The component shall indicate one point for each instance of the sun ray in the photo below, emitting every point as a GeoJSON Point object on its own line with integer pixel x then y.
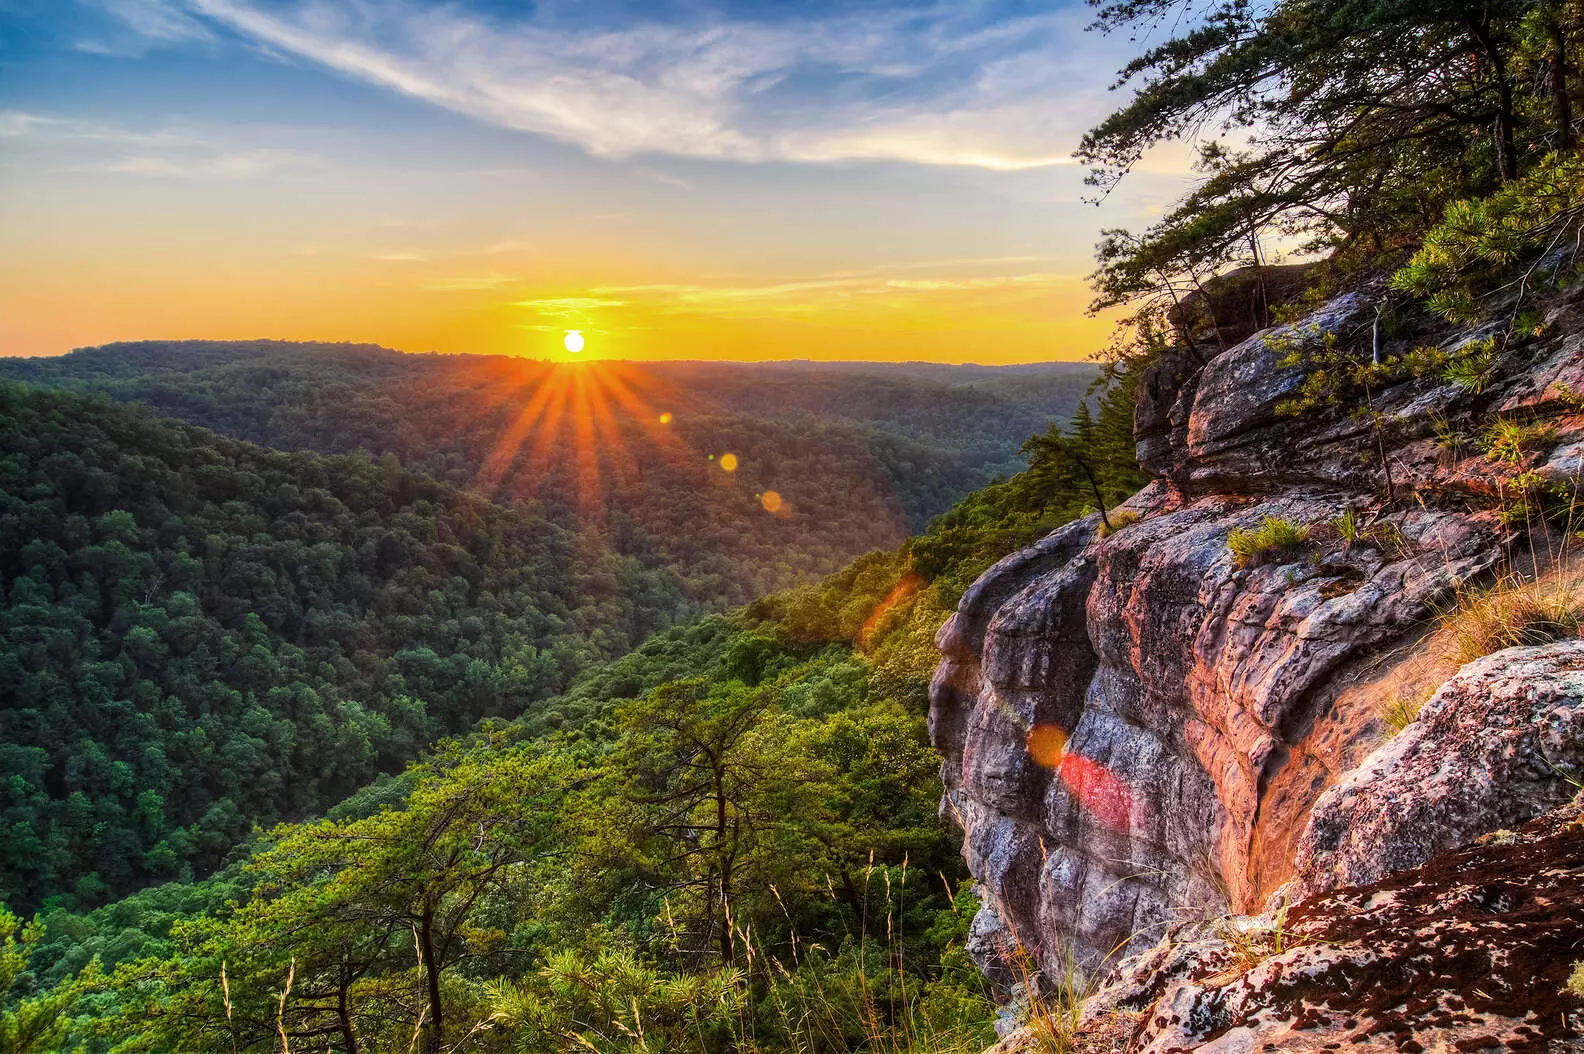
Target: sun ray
{"type": "Point", "coordinates": [506, 449]}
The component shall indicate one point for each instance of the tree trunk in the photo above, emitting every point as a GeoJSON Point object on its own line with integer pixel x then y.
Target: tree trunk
{"type": "Point", "coordinates": [344, 1013]}
{"type": "Point", "coordinates": [728, 949]}
{"type": "Point", "coordinates": [1503, 134]}
{"type": "Point", "coordinates": [432, 974]}
{"type": "Point", "coordinates": [1561, 101]}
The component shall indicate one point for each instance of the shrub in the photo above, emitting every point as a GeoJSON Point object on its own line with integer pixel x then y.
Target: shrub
{"type": "Point", "coordinates": [1275, 536]}
{"type": "Point", "coordinates": [1480, 244]}
{"type": "Point", "coordinates": [1507, 440]}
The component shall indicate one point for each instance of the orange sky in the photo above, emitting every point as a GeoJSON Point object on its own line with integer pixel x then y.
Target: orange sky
{"type": "Point", "coordinates": [724, 181]}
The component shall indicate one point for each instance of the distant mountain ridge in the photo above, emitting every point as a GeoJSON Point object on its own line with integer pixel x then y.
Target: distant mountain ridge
{"type": "Point", "coordinates": [858, 456]}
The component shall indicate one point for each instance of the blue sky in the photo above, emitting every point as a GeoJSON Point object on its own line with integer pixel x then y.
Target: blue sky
{"type": "Point", "coordinates": [444, 164]}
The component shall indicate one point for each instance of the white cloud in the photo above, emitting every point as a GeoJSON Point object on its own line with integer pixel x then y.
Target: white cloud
{"type": "Point", "coordinates": [240, 164]}
{"type": "Point", "coordinates": [938, 84]}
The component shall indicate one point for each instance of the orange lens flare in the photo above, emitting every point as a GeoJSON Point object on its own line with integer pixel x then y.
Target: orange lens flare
{"type": "Point", "coordinates": [904, 591]}
{"type": "Point", "coordinates": [728, 462]}
{"type": "Point", "coordinates": [1045, 745]}
{"type": "Point", "coordinates": [771, 501]}
{"type": "Point", "coordinates": [665, 418]}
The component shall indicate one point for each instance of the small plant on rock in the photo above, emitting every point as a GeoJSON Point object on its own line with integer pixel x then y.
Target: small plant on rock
{"type": "Point", "coordinates": [1516, 613]}
{"type": "Point", "coordinates": [1347, 527]}
{"type": "Point", "coordinates": [1275, 536]}
{"type": "Point", "coordinates": [1398, 711]}
{"type": "Point", "coordinates": [1119, 519]}
{"type": "Point", "coordinates": [1510, 441]}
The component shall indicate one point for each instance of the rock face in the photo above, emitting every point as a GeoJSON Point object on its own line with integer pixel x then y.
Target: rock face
{"type": "Point", "coordinates": [1138, 732]}
{"type": "Point", "coordinates": [1469, 952]}
{"type": "Point", "coordinates": [1484, 754]}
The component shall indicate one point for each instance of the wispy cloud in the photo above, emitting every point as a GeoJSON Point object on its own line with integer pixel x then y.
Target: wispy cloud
{"type": "Point", "coordinates": [474, 283]}
{"type": "Point", "coordinates": [241, 164]}
{"type": "Point", "coordinates": [823, 296]}
{"type": "Point", "coordinates": [974, 84]}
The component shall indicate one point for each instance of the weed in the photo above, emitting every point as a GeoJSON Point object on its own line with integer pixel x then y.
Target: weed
{"type": "Point", "coordinates": [1275, 536]}
{"type": "Point", "coordinates": [1347, 527]}
{"type": "Point", "coordinates": [1119, 518]}
{"type": "Point", "coordinates": [1252, 942]}
{"type": "Point", "coordinates": [1576, 979]}
{"type": "Point", "coordinates": [1509, 441]}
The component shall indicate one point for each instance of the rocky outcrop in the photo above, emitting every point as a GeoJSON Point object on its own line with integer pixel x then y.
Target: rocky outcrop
{"type": "Point", "coordinates": [1485, 753]}
{"type": "Point", "coordinates": [1468, 952]}
{"type": "Point", "coordinates": [1138, 732]}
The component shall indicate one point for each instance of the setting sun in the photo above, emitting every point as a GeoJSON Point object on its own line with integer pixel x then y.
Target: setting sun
{"type": "Point", "coordinates": [573, 341]}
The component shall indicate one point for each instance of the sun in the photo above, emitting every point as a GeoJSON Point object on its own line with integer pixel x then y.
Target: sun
{"type": "Point", "coordinates": [573, 341]}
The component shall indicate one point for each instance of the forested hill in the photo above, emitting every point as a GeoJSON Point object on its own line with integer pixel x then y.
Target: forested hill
{"type": "Point", "coordinates": [200, 634]}
{"type": "Point", "coordinates": [726, 839]}
{"type": "Point", "coordinates": [855, 456]}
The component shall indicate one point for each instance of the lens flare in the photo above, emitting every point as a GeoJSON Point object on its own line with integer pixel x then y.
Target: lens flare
{"type": "Point", "coordinates": [665, 418]}
{"type": "Point", "coordinates": [771, 501]}
{"type": "Point", "coordinates": [1045, 744]}
{"type": "Point", "coordinates": [729, 462]}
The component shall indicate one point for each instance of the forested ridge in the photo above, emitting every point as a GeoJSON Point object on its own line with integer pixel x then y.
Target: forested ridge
{"type": "Point", "coordinates": [728, 836]}
{"type": "Point", "coordinates": [859, 456]}
{"type": "Point", "coordinates": [200, 634]}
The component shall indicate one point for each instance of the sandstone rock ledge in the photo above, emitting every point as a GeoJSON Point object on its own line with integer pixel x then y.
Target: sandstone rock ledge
{"type": "Point", "coordinates": [1469, 952]}
{"type": "Point", "coordinates": [1141, 737]}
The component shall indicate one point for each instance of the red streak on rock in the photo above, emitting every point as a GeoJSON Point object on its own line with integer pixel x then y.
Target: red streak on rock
{"type": "Point", "coordinates": [1095, 787]}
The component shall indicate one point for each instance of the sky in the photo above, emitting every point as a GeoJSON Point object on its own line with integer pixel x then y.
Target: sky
{"type": "Point", "coordinates": [672, 180]}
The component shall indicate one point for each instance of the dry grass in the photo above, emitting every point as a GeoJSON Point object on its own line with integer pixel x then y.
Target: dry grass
{"type": "Point", "coordinates": [1399, 710]}
{"type": "Point", "coordinates": [1515, 613]}
{"type": "Point", "coordinates": [1119, 518]}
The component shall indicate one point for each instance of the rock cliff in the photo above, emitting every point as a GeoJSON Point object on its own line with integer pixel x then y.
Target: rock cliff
{"type": "Point", "coordinates": [1142, 730]}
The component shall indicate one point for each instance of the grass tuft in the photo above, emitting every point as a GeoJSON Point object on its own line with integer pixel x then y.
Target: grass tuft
{"type": "Point", "coordinates": [1398, 711]}
{"type": "Point", "coordinates": [1516, 613]}
{"type": "Point", "coordinates": [1275, 536]}
{"type": "Point", "coordinates": [1119, 518]}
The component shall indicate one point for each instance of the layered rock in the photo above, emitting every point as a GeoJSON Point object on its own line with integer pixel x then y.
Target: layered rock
{"type": "Point", "coordinates": [1471, 951]}
{"type": "Point", "coordinates": [1136, 730]}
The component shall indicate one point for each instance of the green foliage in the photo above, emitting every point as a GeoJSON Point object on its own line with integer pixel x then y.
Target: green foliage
{"type": "Point", "coordinates": [28, 1024]}
{"type": "Point", "coordinates": [199, 634]}
{"type": "Point", "coordinates": [863, 455]}
{"type": "Point", "coordinates": [1275, 537]}
{"type": "Point", "coordinates": [1510, 441]}
{"type": "Point", "coordinates": [1482, 243]}
{"type": "Point", "coordinates": [1347, 526]}
{"type": "Point", "coordinates": [1345, 126]}
{"type": "Point", "coordinates": [726, 839]}
{"type": "Point", "coordinates": [1066, 469]}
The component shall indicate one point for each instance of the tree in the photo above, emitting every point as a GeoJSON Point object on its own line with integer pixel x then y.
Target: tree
{"type": "Point", "coordinates": [1338, 121]}
{"type": "Point", "coordinates": [28, 1025]}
